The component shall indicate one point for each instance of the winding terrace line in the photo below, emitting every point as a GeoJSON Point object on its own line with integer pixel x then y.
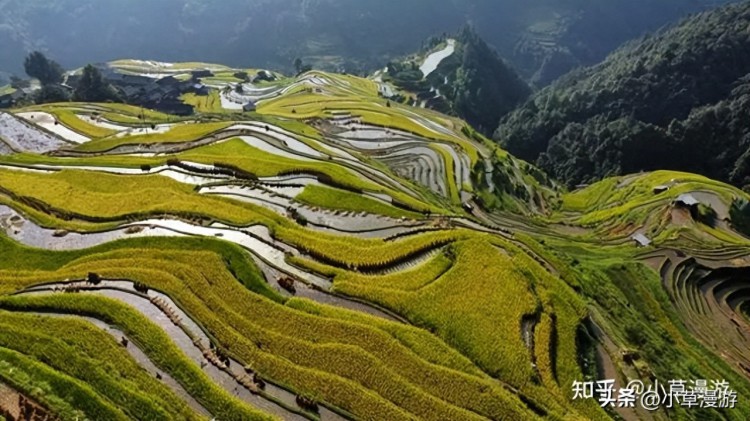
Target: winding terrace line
{"type": "Point", "coordinates": [136, 353]}
{"type": "Point", "coordinates": [708, 293]}
{"type": "Point", "coordinates": [266, 192]}
{"type": "Point", "coordinates": [281, 143]}
{"type": "Point", "coordinates": [192, 340]}
{"type": "Point", "coordinates": [255, 239]}
{"type": "Point", "coordinates": [23, 136]}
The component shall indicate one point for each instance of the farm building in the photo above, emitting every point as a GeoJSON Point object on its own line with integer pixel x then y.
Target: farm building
{"type": "Point", "coordinates": [264, 75]}
{"type": "Point", "coordinates": [641, 240]}
{"type": "Point", "coordinates": [168, 81]}
{"type": "Point", "coordinates": [199, 89]}
{"type": "Point", "coordinates": [198, 74]}
{"type": "Point", "coordinates": [250, 106]}
{"type": "Point", "coordinates": [686, 201]}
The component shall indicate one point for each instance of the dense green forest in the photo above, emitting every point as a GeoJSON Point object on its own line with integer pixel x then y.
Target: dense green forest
{"type": "Point", "coordinates": [542, 38]}
{"type": "Point", "coordinates": [474, 82]}
{"type": "Point", "coordinates": [481, 87]}
{"type": "Point", "coordinates": [679, 99]}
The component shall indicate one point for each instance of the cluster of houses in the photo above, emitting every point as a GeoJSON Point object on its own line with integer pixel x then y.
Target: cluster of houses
{"type": "Point", "coordinates": [684, 201]}
{"type": "Point", "coordinates": [11, 98]}
{"type": "Point", "coordinates": [161, 94]}
{"type": "Point", "coordinates": [158, 94]}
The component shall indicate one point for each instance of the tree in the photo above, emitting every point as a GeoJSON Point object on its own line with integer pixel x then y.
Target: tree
{"type": "Point", "coordinates": [18, 83]}
{"type": "Point", "coordinates": [92, 88]}
{"type": "Point", "coordinates": [39, 66]}
{"type": "Point", "coordinates": [301, 67]}
{"type": "Point", "coordinates": [51, 93]}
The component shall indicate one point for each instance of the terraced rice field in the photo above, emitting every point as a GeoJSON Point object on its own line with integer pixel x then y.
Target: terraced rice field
{"type": "Point", "coordinates": [323, 259]}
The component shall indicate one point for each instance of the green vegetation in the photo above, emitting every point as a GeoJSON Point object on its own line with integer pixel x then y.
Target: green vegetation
{"type": "Point", "coordinates": [92, 87]}
{"type": "Point", "coordinates": [37, 65]}
{"type": "Point", "coordinates": [603, 120]}
{"type": "Point", "coordinates": [740, 214]}
{"type": "Point", "coordinates": [224, 305]}
{"type": "Point", "coordinates": [76, 348]}
{"type": "Point", "coordinates": [105, 197]}
{"type": "Point", "coordinates": [117, 113]}
{"type": "Point", "coordinates": [450, 174]}
{"type": "Point", "coordinates": [206, 104]}
{"type": "Point", "coordinates": [615, 206]}
{"type": "Point", "coordinates": [153, 341]}
{"type": "Point", "coordinates": [178, 134]}
{"type": "Point", "coordinates": [329, 198]}
{"type": "Point", "coordinates": [477, 84]}
{"type": "Point", "coordinates": [75, 123]}
{"type": "Point", "coordinates": [629, 303]}
{"type": "Point", "coordinates": [66, 396]}
{"type": "Point", "coordinates": [487, 309]}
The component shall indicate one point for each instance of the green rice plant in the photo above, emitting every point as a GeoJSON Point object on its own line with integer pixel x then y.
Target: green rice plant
{"type": "Point", "coordinates": [239, 154]}
{"type": "Point", "coordinates": [22, 258]}
{"type": "Point", "coordinates": [329, 198]}
{"type": "Point", "coordinates": [484, 275]}
{"type": "Point", "coordinates": [478, 269]}
{"type": "Point", "coordinates": [119, 113]}
{"type": "Point", "coordinates": [450, 174]}
{"type": "Point", "coordinates": [271, 329]}
{"type": "Point", "coordinates": [222, 322]}
{"type": "Point", "coordinates": [358, 253]}
{"type": "Point", "coordinates": [151, 339]}
{"type": "Point", "coordinates": [407, 280]}
{"type": "Point", "coordinates": [180, 133]}
{"type": "Point", "coordinates": [75, 123]}
{"type": "Point", "coordinates": [327, 358]}
{"type": "Point", "coordinates": [106, 197]}
{"type": "Point", "coordinates": [419, 341]}
{"type": "Point", "coordinates": [67, 397]}
{"type": "Point", "coordinates": [77, 349]}
{"type": "Point", "coordinates": [206, 104]}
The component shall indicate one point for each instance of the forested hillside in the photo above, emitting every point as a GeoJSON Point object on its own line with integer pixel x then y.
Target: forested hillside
{"type": "Point", "coordinates": [472, 82]}
{"type": "Point", "coordinates": [679, 100]}
{"type": "Point", "coordinates": [481, 86]}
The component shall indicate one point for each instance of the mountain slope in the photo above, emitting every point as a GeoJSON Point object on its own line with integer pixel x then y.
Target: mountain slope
{"type": "Point", "coordinates": [543, 38]}
{"type": "Point", "coordinates": [674, 100]}
{"type": "Point", "coordinates": [468, 79]}
{"type": "Point", "coordinates": [328, 256]}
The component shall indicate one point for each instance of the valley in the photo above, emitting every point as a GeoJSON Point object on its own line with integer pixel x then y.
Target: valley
{"type": "Point", "coordinates": [332, 254]}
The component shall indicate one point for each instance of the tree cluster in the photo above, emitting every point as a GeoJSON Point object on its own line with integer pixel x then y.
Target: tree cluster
{"type": "Point", "coordinates": [483, 88]}
{"type": "Point", "coordinates": [474, 82]}
{"type": "Point", "coordinates": [92, 87]}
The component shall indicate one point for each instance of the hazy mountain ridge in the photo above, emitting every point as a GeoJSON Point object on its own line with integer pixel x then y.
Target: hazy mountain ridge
{"type": "Point", "coordinates": [543, 40]}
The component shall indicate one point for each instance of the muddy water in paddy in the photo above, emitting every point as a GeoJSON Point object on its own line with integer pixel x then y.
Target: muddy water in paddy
{"type": "Point", "coordinates": [30, 234]}
{"type": "Point", "coordinates": [266, 251]}
{"type": "Point", "coordinates": [22, 136]}
{"type": "Point", "coordinates": [49, 122]}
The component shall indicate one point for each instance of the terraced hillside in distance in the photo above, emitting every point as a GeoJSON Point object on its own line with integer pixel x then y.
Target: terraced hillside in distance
{"type": "Point", "coordinates": [328, 254]}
